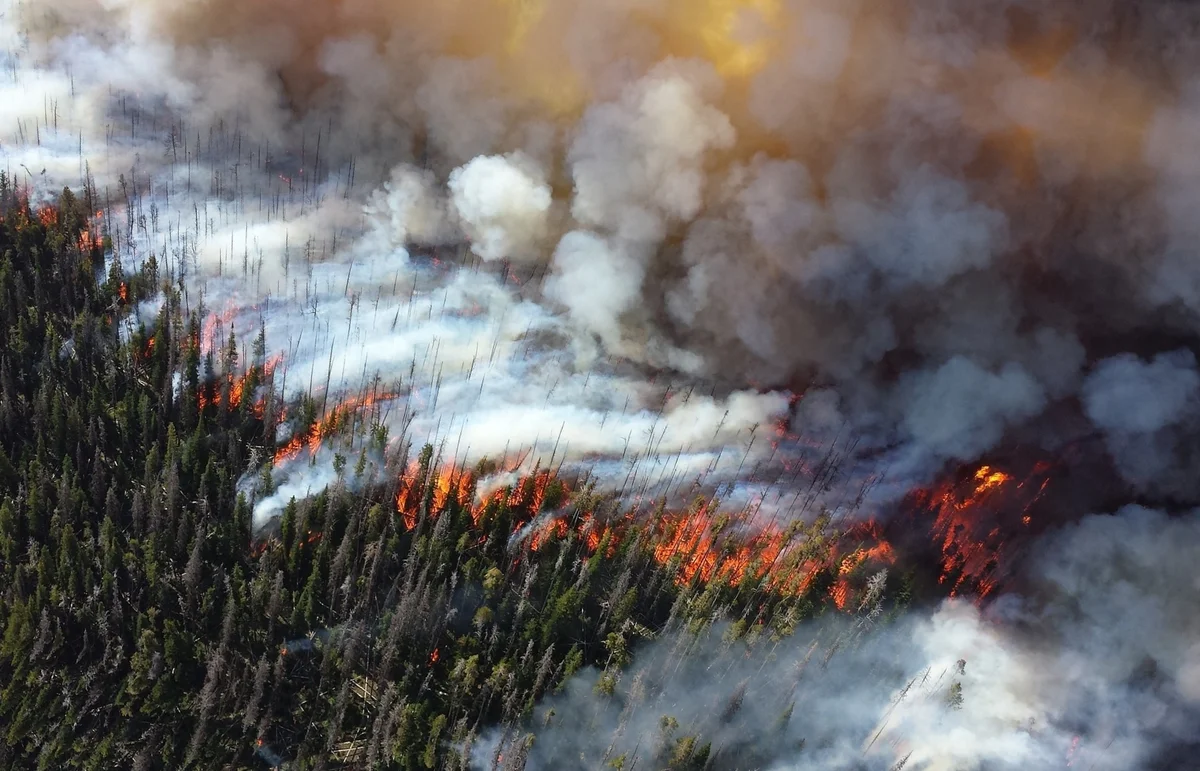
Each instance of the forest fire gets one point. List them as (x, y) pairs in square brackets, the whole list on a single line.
[(91, 237), (408, 503), (335, 419), (976, 519), (700, 545), (213, 322), (91, 233), (214, 393)]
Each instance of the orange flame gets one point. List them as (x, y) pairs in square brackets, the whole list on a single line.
[(208, 331), (448, 485), (211, 395), (555, 528), (312, 436), (973, 543), (91, 237), (698, 545)]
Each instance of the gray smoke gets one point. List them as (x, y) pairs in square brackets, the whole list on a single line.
[(621, 234), (916, 205), (1149, 412), (1096, 666)]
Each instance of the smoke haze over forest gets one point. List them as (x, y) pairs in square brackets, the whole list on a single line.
[(793, 254)]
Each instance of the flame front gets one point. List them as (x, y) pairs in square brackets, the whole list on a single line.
[(699, 545), (973, 539), (310, 437)]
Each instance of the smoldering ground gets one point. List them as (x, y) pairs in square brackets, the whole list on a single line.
[(651, 220)]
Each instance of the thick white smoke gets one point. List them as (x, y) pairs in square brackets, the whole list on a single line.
[(616, 235), (1067, 676), (503, 207)]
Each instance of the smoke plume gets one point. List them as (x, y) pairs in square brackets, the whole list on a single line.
[(1065, 677), (678, 243)]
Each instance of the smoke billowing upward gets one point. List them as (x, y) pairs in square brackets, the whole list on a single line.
[(621, 235)]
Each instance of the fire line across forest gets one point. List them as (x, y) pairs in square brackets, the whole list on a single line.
[(976, 519)]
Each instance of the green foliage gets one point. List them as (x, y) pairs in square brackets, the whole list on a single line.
[(954, 695), (141, 619)]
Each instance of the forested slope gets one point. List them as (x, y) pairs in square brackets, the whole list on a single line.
[(383, 623)]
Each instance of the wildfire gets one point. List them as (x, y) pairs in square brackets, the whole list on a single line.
[(213, 321), (555, 528), (699, 545), (92, 236), (312, 436), (210, 394), (972, 537), (433, 657), (702, 544)]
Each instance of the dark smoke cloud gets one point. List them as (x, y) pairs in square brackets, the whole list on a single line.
[(617, 233), (912, 203)]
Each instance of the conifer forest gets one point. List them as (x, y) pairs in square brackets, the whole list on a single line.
[(649, 385)]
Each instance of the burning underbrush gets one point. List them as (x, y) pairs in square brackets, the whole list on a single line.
[(978, 518), (964, 532)]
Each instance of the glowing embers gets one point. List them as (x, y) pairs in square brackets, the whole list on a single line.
[(976, 518)]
